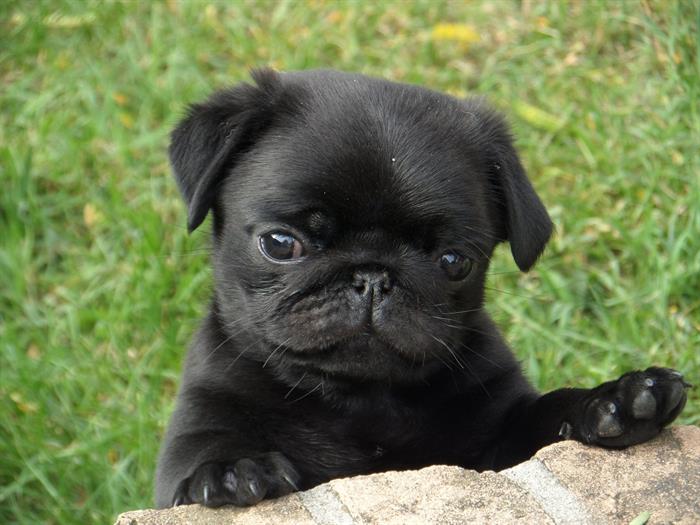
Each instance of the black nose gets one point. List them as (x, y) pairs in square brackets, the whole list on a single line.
[(371, 282)]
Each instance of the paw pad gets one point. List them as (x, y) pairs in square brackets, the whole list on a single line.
[(608, 423), (644, 405)]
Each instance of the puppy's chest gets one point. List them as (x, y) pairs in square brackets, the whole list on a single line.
[(351, 443)]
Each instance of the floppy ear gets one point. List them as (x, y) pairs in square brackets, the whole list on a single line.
[(527, 223), (207, 142)]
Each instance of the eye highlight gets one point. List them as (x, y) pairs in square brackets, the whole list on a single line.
[(280, 246), (455, 265)]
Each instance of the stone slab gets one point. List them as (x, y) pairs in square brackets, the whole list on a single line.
[(565, 483)]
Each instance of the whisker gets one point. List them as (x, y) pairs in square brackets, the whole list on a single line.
[(481, 332), (462, 364), (442, 318), (462, 311), (443, 343), (508, 292), (230, 365), (437, 356), (481, 356), (320, 385), (275, 350), (478, 379), (212, 352), (451, 323), (295, 385)]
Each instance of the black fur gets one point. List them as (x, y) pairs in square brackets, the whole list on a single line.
[(362, 356)]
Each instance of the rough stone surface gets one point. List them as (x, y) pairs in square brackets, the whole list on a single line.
[(440, 494), (565, 483), (557, 501), (272, 512), (661, 477)]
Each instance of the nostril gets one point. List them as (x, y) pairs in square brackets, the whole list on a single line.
[(375, 282), (386, 283), (361, 288), (360, 284)]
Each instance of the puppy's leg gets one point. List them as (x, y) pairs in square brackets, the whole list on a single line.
[(616, 414), (214, 455)]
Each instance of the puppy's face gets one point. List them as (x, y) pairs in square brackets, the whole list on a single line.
[(354, 218)]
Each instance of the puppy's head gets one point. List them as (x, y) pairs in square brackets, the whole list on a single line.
[(353, 218)]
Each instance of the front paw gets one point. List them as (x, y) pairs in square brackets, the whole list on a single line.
[(242, 483), (628, 411)]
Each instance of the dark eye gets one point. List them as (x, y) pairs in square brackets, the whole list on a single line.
[(455, 265), (281, 246)]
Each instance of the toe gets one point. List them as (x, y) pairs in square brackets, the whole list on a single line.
[(608, 423), (230, 482), (676, 393), (251, 488), (644, 405)]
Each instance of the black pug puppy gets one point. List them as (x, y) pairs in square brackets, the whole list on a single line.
[(353, 223)]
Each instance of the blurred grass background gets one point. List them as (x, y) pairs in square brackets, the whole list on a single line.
[(101, 288)]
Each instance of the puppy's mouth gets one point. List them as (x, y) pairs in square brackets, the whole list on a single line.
[(362, 356), (328, 347), (357, 331), (369, 339), (369, 352)]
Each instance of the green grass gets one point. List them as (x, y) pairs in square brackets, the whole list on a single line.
[(101, 288)]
